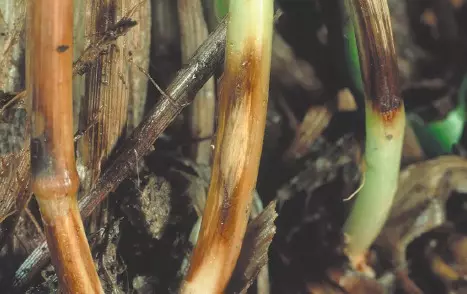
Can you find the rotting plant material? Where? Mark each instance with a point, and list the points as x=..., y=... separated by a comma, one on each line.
x=254, y=254
x=241, y=123
x=54, y=176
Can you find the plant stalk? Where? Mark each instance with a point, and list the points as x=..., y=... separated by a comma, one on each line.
x=54, y=177
x=384, y=120
x=239, y=140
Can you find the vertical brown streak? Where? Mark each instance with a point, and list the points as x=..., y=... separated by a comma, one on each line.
x=378, y=59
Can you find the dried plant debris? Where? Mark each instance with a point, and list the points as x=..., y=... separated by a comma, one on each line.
x=12, y=27
x=291, y=70
x=6, y=98
x=13, y=134
x=148, y=205
x=419, y=205
x=144, y=284
x=254, y=253
x=340, y=281
x=49, y=284
x=194, y=181
x=99, y=46
x=108, y=263
x=315, y=121
x=14, y=159
x=323, y=167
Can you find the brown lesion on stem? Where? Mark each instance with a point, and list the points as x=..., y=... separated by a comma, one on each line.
x=378, y=59
x=52, y=153
x=242, y=116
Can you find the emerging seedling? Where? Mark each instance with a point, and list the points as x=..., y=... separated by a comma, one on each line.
x=242, y=115
x=385, y=123
x=54, y=176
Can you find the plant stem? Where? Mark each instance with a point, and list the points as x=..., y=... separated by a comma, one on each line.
x=54, y=177
x=242, y=116
x=385, y=123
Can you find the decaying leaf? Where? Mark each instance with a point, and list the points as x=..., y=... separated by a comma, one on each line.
x=346, y=101
x=289, y=69
x=254, y=253
x=318, y=171
x=346, y=282
x=419, y=203
x=315, y=121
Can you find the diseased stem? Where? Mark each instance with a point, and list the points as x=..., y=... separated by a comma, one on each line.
x=54, y=177
x=385, y=124
x=239, y=140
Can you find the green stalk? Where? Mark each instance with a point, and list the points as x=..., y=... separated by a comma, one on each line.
x=242, y=118
x=385, y=123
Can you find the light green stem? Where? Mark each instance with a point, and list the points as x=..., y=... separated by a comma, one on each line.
x=381, y=174
x=384, y=120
